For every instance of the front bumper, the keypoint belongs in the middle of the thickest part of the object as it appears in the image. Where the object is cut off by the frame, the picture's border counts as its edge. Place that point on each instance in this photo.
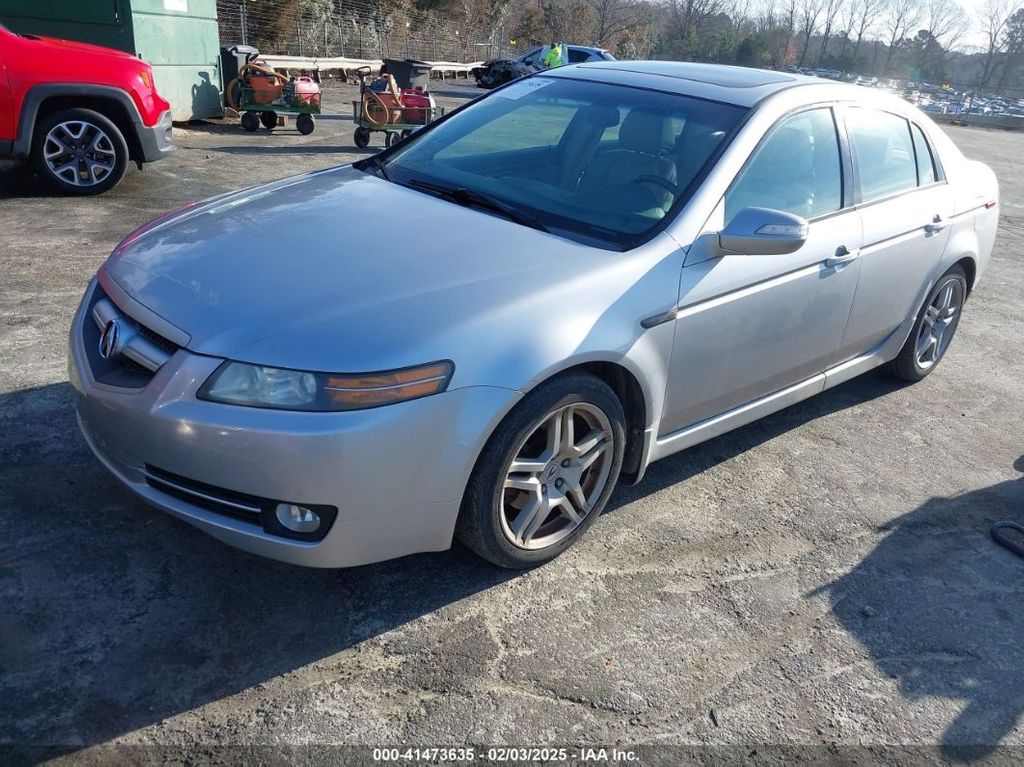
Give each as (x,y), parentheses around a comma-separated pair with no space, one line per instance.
(156,141)
(396,474)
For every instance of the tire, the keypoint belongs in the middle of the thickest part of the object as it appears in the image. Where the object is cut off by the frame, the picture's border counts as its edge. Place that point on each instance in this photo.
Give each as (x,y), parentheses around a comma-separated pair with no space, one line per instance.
(233,93)
(925,347)
(250,121)
(304,124)
(95,146)
(362,138)
(566,498)
(269,120)
(390,137)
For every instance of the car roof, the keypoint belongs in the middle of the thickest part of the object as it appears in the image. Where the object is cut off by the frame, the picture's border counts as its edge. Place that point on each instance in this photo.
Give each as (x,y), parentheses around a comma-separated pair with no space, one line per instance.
(730,84)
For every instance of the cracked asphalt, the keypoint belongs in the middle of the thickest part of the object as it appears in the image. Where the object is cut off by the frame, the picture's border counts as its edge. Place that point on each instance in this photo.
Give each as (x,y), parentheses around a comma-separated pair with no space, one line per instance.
(822,579)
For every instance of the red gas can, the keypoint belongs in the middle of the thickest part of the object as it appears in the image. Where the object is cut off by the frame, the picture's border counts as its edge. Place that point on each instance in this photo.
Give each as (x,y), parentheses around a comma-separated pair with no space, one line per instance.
(306,90)
(415,105)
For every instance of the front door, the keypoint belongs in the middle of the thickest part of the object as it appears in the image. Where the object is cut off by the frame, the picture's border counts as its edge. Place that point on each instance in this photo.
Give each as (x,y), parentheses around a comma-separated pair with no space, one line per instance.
(751,325)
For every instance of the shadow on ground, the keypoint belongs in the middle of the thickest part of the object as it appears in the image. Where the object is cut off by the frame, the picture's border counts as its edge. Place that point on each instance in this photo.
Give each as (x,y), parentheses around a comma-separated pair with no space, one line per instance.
(119,616)
(937,604)
(263,149)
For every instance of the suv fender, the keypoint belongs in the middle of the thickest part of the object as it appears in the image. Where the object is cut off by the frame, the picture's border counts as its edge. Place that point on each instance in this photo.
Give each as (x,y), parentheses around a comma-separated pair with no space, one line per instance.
(145,144)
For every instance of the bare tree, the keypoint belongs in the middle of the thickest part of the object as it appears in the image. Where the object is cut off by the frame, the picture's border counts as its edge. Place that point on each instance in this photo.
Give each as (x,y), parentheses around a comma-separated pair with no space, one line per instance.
(993,17)
(863,15)
(1013,44)
(810,13)
(613,19)
(898,19)
(946,23)
(831,10)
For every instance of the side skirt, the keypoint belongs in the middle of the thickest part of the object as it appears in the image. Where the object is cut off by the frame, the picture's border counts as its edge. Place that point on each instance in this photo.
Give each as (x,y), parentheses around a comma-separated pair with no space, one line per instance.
(659,447)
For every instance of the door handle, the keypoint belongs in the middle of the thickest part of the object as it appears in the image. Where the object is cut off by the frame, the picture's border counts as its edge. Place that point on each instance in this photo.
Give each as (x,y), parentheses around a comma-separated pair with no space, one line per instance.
(936,226)
(843,256)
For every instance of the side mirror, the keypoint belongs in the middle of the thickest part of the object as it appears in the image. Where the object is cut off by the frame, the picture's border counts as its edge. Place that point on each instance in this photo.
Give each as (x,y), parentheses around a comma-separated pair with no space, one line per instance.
(763,232)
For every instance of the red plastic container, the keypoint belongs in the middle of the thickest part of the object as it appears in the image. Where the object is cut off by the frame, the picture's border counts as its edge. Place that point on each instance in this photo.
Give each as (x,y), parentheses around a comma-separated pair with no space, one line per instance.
(415,103)
(306,89)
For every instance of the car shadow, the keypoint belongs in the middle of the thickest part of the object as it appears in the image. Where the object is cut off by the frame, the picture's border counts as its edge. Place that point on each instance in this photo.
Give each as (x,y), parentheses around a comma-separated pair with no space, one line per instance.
(119,616)
(916,603)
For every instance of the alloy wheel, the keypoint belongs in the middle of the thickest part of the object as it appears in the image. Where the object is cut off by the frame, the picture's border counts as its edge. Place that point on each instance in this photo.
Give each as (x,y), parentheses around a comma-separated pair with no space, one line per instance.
(79,153)
(939,324)
(557,475)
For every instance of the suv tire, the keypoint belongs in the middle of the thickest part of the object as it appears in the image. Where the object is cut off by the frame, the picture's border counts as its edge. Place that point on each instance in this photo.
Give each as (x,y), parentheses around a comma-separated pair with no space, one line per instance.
(79,152)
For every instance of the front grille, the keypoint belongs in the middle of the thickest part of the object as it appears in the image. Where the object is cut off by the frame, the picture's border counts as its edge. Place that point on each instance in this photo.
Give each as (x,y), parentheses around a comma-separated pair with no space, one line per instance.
(139,354)
(156,339)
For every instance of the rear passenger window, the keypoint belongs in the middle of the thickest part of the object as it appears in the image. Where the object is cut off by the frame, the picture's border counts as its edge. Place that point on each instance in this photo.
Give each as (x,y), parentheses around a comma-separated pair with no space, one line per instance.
(795,169)
(883,152)
(925,161)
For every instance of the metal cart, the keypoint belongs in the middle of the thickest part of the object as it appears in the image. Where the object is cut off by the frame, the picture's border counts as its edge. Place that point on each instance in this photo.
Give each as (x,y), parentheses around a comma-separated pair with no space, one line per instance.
(374,113)
(260,107)
(393,132)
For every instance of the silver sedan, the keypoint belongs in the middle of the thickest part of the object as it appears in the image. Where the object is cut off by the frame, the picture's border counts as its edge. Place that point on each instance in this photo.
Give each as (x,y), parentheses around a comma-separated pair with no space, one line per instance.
(479,332)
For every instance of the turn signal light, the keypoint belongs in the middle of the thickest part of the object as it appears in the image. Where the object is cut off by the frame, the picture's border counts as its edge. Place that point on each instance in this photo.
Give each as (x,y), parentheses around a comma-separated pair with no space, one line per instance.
(386,388)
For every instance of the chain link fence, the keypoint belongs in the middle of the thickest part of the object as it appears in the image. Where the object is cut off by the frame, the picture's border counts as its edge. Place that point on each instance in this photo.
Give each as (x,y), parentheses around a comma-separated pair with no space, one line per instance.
(362,29)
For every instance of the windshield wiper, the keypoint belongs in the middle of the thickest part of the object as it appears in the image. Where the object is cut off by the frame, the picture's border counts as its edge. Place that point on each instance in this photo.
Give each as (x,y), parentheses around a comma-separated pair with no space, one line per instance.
(380,165)
(463,196)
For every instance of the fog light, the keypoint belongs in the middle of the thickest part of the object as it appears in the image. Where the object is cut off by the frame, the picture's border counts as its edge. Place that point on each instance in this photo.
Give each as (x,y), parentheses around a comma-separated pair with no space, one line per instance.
(298,519)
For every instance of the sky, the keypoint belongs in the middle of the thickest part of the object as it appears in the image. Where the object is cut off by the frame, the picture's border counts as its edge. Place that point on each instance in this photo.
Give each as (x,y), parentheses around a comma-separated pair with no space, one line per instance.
(974,37)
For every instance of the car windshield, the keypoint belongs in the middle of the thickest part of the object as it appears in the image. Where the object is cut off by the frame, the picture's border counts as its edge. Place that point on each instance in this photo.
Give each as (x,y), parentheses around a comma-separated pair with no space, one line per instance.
(592,161)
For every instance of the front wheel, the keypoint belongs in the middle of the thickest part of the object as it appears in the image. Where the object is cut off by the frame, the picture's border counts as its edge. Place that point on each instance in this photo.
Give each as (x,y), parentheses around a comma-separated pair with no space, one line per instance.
(251,121)
(933,331)
(79,151)
(362,138)
(546,473)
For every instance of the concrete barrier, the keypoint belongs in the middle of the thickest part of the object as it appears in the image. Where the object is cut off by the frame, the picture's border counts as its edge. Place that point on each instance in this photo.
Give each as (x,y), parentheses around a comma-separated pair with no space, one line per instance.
(347,66)
(1004,122)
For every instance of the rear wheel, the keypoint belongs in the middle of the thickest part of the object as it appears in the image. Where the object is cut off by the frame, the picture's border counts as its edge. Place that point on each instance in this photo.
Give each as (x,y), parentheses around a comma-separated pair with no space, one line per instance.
(79,151)
(304,124)
(269,120)
(934,329)
(546,473)
(362,138)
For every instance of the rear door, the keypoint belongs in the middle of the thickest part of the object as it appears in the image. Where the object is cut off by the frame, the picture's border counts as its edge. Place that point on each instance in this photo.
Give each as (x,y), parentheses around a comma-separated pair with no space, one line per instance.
(905,206)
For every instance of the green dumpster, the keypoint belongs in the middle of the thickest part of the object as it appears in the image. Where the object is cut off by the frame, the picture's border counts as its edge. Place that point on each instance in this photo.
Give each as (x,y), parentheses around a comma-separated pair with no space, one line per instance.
(179,38)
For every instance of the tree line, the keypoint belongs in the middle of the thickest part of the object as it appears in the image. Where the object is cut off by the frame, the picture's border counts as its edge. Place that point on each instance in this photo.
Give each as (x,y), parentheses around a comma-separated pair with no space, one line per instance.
(935,41)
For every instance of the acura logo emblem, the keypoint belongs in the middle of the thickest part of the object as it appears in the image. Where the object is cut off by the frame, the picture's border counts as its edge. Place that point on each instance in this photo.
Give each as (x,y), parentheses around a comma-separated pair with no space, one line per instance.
(109,340)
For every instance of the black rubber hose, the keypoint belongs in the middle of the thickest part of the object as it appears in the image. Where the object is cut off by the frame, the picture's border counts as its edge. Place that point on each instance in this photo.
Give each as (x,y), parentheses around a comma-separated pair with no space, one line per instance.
(1013,543)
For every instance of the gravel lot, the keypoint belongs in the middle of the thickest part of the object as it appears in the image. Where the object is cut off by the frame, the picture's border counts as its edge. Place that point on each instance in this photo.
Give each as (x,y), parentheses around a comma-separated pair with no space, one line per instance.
(823,578)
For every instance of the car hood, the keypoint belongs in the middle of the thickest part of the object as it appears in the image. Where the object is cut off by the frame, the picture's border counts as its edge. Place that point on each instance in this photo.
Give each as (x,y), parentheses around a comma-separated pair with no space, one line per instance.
(83,48)
(340,270)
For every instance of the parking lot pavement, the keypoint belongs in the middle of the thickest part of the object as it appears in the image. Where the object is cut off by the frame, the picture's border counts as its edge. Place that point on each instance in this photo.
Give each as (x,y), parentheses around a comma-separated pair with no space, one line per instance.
(823,576)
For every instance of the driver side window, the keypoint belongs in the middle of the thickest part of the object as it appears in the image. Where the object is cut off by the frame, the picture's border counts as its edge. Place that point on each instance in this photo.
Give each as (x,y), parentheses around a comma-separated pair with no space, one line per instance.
(796,169)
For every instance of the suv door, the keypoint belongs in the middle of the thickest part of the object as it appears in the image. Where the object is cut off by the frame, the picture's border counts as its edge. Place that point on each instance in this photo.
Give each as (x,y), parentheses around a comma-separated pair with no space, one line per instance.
(905,206)
(751,325)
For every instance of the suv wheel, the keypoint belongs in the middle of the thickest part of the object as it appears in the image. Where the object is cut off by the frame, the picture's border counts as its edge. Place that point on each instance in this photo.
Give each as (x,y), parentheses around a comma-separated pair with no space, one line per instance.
(546,473)
(79,151)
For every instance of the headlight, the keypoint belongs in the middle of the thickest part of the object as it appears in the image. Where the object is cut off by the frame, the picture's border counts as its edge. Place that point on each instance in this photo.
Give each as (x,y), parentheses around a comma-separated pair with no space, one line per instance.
(239,383)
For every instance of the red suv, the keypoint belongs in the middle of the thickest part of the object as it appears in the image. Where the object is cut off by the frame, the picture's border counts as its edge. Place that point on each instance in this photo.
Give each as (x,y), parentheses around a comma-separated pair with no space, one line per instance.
(79,112)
